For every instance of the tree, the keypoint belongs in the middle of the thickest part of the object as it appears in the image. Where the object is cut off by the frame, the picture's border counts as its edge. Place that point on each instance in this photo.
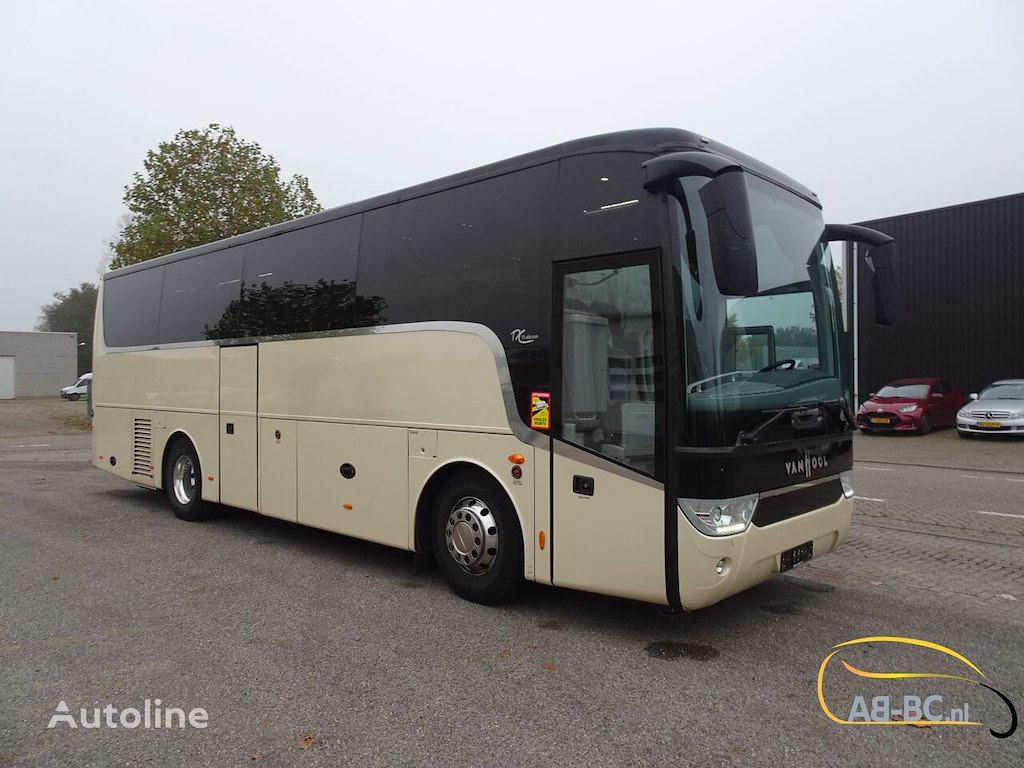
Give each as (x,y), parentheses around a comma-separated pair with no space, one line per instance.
(74,311)
(797,336)
(204,186)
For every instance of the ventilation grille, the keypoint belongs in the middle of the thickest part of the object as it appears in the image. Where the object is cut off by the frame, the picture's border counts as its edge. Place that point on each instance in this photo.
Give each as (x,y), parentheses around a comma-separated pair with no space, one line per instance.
(142,448)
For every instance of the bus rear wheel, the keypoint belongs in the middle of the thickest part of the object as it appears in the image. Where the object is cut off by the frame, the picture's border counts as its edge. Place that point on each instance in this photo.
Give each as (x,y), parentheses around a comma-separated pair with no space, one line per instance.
(183,481)
(477,541)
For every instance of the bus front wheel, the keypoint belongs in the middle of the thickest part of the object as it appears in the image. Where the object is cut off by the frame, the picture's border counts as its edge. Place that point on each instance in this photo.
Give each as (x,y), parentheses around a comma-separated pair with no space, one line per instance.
(183,481)
(477,541)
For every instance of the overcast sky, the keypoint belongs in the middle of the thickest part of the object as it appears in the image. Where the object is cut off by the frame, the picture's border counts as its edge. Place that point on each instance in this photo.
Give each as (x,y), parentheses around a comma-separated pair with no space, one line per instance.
(881,107)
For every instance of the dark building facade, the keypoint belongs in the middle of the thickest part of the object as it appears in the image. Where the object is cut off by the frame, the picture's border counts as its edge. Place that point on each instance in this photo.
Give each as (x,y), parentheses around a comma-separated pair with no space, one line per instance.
(960,298)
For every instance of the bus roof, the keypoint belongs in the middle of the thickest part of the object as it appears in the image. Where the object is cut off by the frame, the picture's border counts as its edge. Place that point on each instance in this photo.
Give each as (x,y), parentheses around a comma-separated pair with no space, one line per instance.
(654,141)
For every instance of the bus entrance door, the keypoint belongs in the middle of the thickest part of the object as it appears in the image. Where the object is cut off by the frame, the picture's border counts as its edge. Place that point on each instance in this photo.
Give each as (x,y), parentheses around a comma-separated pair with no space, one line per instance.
(608,531)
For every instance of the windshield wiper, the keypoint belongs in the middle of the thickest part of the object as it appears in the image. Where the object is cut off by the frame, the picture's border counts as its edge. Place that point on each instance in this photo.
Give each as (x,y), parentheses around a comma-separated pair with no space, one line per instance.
(810,413)
(838,410)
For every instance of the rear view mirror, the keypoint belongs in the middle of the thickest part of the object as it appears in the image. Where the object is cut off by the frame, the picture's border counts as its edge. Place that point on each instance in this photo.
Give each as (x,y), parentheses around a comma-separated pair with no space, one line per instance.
(883,282)
(727,207)
(974,395)
(880,260)
(731,232)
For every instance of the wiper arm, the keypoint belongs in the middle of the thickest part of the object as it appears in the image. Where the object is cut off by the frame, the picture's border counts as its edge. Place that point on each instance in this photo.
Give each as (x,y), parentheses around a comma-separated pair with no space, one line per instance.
(833,408)
(749,438)
(838,410)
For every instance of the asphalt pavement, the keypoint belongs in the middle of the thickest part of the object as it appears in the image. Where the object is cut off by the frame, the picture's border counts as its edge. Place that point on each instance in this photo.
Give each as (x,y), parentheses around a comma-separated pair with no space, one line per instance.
(306,648)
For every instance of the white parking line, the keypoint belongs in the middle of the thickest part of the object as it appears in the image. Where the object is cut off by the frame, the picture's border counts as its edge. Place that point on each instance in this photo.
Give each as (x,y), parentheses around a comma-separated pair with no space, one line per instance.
(1014,480)
(38,445)
(878,469)
(868,498)
(997,514)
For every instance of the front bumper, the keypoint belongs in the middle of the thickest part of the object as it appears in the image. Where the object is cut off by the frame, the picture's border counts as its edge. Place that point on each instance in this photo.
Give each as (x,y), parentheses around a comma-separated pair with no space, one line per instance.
(889,420)
(989,426)
(753,556)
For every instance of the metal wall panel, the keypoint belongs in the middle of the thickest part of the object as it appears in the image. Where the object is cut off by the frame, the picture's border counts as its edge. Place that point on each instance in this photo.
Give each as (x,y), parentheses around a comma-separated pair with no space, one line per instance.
(960,273)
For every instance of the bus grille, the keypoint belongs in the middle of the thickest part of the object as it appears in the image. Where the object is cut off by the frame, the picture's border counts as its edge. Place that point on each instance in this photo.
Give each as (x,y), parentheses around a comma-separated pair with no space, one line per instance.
(775,509)
(142,448)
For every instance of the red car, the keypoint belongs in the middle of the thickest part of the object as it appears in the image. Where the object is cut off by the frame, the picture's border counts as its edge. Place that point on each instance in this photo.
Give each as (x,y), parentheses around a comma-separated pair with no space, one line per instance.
(911,405)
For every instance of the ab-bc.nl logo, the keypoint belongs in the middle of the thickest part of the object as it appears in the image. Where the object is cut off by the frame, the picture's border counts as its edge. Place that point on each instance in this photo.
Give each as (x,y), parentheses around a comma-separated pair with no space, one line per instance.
(955,693)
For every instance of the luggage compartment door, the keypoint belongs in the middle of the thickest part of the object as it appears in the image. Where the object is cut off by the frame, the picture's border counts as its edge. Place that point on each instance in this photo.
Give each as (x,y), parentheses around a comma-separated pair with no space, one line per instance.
(238,441)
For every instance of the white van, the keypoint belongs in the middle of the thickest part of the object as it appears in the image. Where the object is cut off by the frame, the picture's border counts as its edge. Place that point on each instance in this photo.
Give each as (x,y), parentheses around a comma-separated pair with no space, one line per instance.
(77,390)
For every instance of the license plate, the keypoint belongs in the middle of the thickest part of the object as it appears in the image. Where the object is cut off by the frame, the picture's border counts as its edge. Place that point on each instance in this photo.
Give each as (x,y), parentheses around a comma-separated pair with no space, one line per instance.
(793,557)
(990,424)
(878,420)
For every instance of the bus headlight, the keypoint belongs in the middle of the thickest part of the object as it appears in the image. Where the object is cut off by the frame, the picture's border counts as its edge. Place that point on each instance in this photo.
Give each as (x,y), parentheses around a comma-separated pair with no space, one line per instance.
(720,517)
(846,479)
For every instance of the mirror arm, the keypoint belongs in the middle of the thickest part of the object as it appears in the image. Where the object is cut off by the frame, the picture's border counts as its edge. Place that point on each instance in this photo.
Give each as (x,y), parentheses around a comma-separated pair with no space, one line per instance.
(676,165)
(855,234)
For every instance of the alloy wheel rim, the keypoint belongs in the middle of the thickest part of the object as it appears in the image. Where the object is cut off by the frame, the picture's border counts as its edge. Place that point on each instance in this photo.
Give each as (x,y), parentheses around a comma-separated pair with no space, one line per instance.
(471,535)
(184,480)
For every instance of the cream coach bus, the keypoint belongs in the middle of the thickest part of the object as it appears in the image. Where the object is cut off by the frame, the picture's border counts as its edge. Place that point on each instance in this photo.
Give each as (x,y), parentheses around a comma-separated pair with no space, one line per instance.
(576,367)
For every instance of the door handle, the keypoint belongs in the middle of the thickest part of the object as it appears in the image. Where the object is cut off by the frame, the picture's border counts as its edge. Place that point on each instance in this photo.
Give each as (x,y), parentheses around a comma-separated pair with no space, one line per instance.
(584,486)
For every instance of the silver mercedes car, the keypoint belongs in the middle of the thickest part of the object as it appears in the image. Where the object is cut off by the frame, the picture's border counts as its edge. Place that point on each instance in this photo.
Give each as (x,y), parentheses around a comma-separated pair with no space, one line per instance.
(998,410)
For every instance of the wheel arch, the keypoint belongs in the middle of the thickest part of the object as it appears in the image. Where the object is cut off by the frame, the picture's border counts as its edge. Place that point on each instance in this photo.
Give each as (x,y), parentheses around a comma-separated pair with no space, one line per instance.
(176,435)
(433,487)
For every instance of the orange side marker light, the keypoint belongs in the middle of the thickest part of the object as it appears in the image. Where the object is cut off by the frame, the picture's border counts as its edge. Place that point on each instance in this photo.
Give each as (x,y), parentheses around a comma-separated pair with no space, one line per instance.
(541,539)
(347,506)
(210,478)
(517,458)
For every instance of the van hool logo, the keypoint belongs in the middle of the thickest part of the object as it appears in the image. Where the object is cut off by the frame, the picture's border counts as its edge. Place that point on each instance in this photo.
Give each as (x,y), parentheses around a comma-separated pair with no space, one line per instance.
(152,714)
(806,465)
(901,698)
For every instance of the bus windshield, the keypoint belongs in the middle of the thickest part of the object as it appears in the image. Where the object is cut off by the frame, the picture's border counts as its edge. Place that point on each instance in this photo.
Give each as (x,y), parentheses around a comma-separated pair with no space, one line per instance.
(748,357)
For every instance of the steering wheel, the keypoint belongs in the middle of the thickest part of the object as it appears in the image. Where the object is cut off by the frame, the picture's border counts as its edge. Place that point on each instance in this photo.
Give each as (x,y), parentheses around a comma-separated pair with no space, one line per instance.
(789,364)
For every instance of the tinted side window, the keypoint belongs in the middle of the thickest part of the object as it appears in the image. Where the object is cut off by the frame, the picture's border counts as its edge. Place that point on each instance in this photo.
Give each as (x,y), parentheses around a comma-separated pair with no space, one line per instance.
(474,253)
(196,293)
(376,268)
(131,308)
(300,282)
(602,205)
(325,251)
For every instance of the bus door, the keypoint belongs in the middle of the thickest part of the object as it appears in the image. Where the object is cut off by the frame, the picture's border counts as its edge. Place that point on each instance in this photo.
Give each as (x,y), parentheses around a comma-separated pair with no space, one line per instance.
(238,426)
(608,516)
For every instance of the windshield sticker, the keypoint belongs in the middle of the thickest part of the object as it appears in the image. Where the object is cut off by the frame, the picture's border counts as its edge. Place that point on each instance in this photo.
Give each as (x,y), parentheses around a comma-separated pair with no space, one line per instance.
(540,409)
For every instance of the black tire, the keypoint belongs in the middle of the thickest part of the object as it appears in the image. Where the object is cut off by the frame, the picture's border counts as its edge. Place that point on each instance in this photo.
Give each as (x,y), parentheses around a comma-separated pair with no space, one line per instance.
(183,481)
(478,544)
(74,396)
(925,425)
